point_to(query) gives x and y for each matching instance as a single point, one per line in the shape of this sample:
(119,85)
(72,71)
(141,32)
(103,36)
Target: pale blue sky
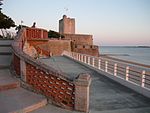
(111,22)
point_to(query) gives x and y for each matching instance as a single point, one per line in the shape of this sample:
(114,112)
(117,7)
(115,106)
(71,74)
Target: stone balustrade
(56,86)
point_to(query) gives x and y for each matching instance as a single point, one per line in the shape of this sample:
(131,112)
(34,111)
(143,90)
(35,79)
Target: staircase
(13,98)
(5,53)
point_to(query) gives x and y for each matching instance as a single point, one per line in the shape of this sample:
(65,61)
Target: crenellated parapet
(92,50)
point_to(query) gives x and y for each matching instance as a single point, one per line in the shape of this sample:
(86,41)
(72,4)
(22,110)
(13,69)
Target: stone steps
(5,48)
(4,42)
(7,81)
(5,52)
(5,60)
(13,98)
(19,100)
(54,109)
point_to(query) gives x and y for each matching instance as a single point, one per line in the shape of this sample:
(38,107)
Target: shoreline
(123,60)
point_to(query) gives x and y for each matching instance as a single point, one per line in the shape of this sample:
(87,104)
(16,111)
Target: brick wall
(34,33)
(58,90)
(86,49)
(36,42)
(80,39)
(55,47)
(16,64)
(50,82)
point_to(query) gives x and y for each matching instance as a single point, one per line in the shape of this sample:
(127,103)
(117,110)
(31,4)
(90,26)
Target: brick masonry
(79,39)
(58,90)
(50,47)
(32,33)
(9,86)
(53,84)
(16,65)
(86,49)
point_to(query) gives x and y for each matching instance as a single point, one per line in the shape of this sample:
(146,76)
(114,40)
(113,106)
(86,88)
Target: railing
(134,74)
(55,85)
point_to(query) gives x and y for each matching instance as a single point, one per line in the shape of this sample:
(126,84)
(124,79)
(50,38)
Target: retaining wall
(62,90)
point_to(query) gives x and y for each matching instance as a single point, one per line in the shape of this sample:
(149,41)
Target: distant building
(80,43)
(67,25)
(45,47)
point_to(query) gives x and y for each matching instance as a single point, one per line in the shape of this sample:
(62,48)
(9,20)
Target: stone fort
(72,42)
(80,43)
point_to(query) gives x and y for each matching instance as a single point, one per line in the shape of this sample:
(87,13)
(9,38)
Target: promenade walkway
(106,96)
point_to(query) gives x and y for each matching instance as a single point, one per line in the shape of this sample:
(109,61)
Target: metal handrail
(126,71)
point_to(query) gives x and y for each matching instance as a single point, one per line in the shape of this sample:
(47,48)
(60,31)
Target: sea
(139,54)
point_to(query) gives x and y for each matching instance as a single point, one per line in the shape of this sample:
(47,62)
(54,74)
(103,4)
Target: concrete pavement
(106,96)
(20,100)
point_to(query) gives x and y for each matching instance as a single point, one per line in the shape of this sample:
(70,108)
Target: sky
(111,22)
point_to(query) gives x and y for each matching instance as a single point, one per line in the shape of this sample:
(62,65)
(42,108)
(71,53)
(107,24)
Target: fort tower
(67,25)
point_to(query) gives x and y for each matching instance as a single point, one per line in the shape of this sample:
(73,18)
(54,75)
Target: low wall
(57,89)
(16,65)
(35,43)
(32,33)
(56,86)
(56,47)
(53,47)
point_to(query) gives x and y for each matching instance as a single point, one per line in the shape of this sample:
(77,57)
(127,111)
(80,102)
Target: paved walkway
(106,96)
(6,77)
(18,100)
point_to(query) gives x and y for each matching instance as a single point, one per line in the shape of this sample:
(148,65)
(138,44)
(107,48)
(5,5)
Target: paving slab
(6,77)
(53,109)
(7,81)
(5,60)
(5,42)
(4,49)
(64,65)
(20,100)
(106,96)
